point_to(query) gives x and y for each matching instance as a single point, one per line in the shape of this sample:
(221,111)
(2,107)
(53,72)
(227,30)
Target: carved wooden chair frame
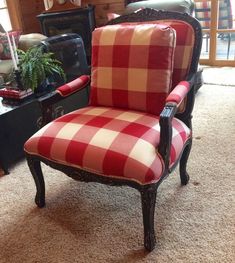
(148,192)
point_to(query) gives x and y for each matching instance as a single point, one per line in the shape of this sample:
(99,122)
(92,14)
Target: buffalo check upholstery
(132,66)
(183,50)
(109,142)
(119,133)
(73,86)
(178,93)
(185,41)
(131,132)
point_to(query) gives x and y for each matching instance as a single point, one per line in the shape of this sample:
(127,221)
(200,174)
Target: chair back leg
(184,177)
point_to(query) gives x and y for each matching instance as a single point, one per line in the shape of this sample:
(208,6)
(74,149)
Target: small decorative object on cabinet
(61,5)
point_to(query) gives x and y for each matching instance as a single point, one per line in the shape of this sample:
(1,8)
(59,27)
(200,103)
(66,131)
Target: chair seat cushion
(109,142)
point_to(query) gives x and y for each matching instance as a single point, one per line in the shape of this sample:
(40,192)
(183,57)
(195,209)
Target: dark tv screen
(69,50)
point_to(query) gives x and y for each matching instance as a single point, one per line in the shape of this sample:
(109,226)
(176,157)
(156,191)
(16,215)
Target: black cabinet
(16,126)
(80,21)
(18,123)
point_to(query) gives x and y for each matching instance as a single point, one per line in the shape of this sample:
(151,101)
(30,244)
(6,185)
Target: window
(5,19)
(218,24)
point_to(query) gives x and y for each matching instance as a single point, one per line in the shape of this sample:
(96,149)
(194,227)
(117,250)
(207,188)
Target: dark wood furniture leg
(184,177)
(36,170)
(148,198)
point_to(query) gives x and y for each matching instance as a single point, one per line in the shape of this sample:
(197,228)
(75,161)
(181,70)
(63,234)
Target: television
(69,50)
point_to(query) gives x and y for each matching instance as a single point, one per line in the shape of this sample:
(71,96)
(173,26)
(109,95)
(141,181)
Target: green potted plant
(37,66)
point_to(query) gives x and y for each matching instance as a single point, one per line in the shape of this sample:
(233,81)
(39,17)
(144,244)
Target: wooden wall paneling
(102,7)
(29,11)
(15,16)
(23,14)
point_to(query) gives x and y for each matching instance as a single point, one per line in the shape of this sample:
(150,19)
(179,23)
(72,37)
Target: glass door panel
(225,46)
(3,3)
(225,18)
(205,46)
(218,47)
(5,20)
(225,36)
(203,15)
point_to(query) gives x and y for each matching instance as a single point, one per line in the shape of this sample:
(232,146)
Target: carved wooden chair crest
(137,127)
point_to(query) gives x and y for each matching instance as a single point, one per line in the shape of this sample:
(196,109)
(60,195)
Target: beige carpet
(219,76)
(95,223)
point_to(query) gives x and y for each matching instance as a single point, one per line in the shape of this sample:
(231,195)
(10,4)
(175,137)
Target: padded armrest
(73,86)
(178,93)
(46,102)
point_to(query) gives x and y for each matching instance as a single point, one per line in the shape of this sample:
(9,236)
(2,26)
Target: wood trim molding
(13,9)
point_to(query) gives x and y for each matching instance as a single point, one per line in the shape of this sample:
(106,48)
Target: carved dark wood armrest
(166,116)
(166,131)
(46,102)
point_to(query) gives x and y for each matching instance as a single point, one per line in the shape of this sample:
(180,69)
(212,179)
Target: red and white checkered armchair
(137,127)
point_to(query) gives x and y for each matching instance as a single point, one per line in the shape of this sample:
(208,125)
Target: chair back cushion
(183,50)
(185,39)
(132,66)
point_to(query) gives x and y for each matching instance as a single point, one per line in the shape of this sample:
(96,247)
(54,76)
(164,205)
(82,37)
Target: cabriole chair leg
(184,176)
(36,170)
(148,198)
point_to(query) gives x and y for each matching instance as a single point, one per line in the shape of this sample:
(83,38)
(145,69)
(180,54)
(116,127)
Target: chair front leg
(148,198)
(36,171)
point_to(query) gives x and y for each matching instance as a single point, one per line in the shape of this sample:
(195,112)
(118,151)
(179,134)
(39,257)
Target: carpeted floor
(219,76)
(94,223)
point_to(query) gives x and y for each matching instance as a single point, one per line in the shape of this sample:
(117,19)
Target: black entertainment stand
(18,123)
